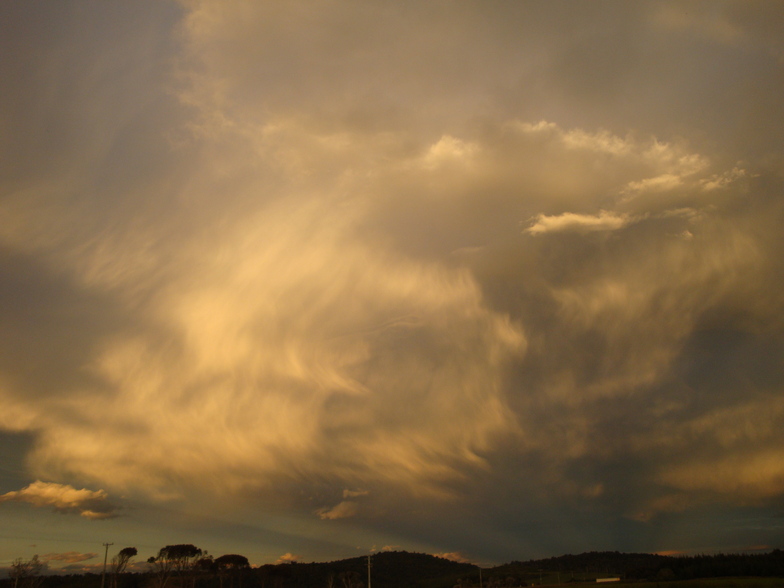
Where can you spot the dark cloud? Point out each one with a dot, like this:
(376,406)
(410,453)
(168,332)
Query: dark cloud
(50,325)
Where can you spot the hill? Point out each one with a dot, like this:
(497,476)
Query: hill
(640,566)
(389,569)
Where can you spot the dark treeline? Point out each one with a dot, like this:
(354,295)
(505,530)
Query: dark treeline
(388,570)
(646,566)
(416,570)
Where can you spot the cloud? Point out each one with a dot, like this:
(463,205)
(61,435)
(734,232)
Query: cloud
(65,499)
(70,557)
(734,24)
(658,184)
(604,221)
(287,558)
(274,254)
(724,180)
(448,149)
(342,510)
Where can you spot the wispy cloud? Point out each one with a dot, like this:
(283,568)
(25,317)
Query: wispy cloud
(70,557)
(452,275)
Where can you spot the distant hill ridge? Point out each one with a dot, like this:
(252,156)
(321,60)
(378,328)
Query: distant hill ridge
(389,569)
(650,566)
(400,569)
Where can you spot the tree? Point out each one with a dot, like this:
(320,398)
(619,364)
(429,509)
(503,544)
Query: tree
(161,570)
(27,574)
(120,563)
(204,566)
(231,565)
(351,579)
(232,561)
(178,559)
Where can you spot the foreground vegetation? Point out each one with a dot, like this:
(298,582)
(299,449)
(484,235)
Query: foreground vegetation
(186,566)
(709,583)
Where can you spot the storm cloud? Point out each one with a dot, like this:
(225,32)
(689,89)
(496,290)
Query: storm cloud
(479,277)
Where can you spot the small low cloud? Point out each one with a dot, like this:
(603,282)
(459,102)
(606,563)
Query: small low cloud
(581,223)
(343,510)
(90,504)
(69,557)
(354,493)
(287,558)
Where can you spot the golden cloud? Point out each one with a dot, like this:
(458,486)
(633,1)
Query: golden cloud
(287,558)
(332,285)
(603,221)
(342,510)
(65,499)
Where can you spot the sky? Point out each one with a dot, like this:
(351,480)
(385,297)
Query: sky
(306,280)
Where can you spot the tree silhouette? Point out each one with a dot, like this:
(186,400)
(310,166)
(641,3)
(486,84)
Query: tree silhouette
(161,570)
(120,563)
(231,565)
(351,579)
(178,559)
(26,574)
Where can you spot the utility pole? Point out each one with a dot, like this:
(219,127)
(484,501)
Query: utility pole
(368,571)
(105,557)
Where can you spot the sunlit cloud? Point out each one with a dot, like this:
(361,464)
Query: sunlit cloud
(448,150)
(70,557)
(65,499)
(386,264)
(604,221)
(342,510)
(287,558)
(723,180)
(658,184)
